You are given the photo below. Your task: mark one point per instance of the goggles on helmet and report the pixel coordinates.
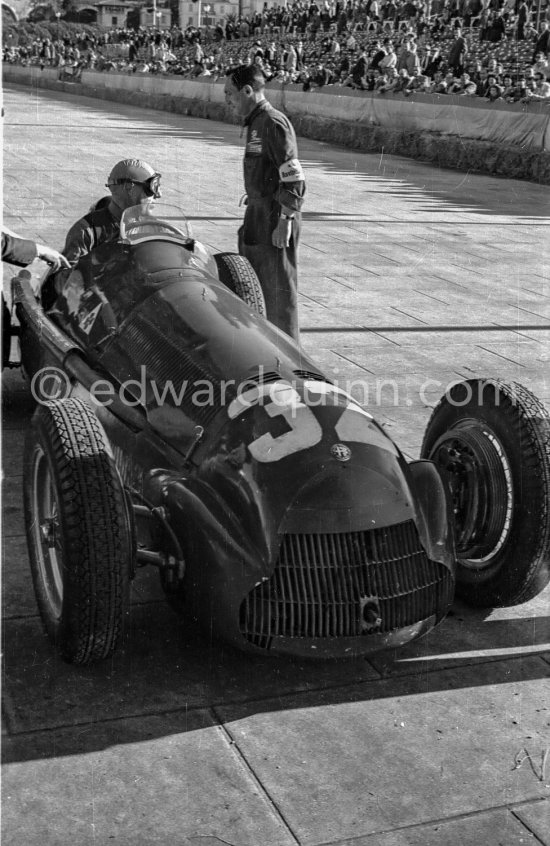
(151, 186)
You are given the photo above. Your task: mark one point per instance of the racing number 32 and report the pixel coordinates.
(354, 424)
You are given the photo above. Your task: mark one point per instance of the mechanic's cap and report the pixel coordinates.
(135, 170)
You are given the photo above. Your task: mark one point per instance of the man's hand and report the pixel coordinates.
(281, 234)
(53, 257)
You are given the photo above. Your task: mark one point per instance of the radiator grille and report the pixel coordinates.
(321, 583)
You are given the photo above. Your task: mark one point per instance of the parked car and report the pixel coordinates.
(177, 428)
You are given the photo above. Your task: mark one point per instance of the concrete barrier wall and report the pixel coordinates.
(507, 139)
(517, 124)
(211, 92)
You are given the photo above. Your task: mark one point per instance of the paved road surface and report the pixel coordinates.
(411, 277)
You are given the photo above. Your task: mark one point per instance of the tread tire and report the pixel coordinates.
(69, 472)
(519, 566)
(239, 276)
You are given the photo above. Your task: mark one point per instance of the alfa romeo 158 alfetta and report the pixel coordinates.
(177, 428)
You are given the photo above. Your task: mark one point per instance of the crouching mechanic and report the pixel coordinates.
(275, 187)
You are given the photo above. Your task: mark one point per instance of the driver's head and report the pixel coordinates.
(132, 182)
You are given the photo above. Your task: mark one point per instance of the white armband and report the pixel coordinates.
(291, 171)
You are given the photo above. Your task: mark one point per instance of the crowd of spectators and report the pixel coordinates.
(495, 49)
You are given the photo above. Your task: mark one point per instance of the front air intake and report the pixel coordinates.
(346, 585)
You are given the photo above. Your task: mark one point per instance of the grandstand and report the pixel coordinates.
(325, 44)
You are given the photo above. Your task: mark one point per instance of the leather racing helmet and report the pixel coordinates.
(137, 171)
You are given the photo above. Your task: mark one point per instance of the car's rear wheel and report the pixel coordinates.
(239, 276)
(78, 530)
(491, 443)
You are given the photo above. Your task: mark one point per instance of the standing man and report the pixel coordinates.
(542, 44)
(457, 54)
(275, 186)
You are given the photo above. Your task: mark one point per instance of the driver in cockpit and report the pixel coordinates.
(131, 182)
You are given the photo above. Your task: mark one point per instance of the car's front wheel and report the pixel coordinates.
(78, 530)
(491, 443)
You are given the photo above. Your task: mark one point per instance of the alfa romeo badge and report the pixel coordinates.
(340, 452)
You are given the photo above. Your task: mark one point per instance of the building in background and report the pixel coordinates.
(157, 15)
(110, 14)
(17, 10)
(213, 11)
(121, 13)
(127, 13)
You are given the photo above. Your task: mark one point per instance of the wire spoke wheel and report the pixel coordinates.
(473, 463)
(491, 444)
(45, 527)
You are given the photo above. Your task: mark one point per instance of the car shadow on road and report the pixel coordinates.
(168, 673)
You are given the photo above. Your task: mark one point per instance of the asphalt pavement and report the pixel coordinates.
(411, 278)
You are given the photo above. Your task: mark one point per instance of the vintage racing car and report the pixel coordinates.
(176, 427)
